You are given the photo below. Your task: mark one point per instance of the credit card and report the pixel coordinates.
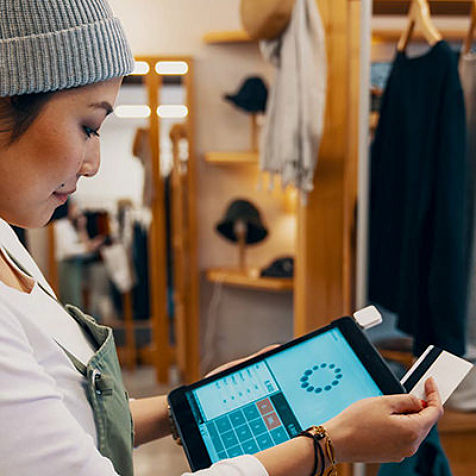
(447, 369)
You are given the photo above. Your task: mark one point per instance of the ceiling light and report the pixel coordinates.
(171, 67)
(141, 67)
(129, 111)
(170, 111)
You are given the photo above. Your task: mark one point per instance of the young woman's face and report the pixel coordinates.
(41, 168)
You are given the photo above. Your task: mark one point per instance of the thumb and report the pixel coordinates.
(404, 403)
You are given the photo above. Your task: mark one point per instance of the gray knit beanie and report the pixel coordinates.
(47, 45)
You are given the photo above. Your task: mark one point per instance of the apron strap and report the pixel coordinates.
(78, 365)
(99, 379)
(103, 384)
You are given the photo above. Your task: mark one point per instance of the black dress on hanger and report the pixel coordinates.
(419, 238)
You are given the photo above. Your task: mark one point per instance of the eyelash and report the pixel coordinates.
(90, 132)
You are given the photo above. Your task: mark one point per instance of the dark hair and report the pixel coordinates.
(19, 112)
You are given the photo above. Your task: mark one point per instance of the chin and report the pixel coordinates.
(38, 221)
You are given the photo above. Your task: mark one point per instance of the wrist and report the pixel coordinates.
(173, 427)
(337, 435)
(324, 452)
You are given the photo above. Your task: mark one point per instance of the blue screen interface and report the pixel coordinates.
(271, 401)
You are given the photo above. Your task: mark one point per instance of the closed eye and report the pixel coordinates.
(90, 132)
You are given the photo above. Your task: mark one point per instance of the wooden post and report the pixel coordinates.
(254, 133)
(325, 251)
(177, 133)
(157, 249)
(193, 318)
(241, 252)
(325, 245)
(130, 337)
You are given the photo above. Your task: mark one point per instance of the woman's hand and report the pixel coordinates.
(239, 361)
(384, 429)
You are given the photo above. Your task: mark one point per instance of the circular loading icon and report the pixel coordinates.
(329, 374)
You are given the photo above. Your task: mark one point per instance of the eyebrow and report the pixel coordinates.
(103, 105)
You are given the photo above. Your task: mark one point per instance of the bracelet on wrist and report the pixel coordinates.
(320, 437)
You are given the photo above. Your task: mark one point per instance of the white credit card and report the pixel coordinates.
(447, 369)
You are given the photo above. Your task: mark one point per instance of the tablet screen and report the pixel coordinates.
(271, 401)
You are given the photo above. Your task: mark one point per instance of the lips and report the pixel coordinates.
(63, 196)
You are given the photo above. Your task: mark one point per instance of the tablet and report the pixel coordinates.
(272, 397)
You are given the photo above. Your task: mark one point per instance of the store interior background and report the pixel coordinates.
(248, 319)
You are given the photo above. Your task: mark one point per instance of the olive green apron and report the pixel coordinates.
(105, 390)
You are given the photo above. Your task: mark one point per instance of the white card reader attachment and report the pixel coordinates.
(368, 317)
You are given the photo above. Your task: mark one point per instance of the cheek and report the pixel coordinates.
(60, 154)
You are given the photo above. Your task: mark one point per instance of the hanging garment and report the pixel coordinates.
(141, 150)
(418, 236)
(464, 398)
(295, 112)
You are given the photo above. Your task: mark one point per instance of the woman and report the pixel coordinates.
(63, 408)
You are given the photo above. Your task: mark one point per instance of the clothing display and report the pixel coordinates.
(67, 241)
(141, 150)
(418, 237)
(140, 256)
(464, 398)
(295, 112)
(72, 257)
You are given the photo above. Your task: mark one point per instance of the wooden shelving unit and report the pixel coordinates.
(232, 158)
(392, 36)
(236, 36)
(437, 7)
(243, 279)
(378, 35)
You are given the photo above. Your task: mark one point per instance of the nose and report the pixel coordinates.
(91, 162)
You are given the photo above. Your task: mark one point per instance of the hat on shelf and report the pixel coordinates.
(49, 45)
(246, 212)
(251, 96)
(282, 267)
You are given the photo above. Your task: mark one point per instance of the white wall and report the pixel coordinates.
(169, 27)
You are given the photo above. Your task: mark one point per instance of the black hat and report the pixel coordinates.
(280, 268)
(246, 212)
(251, 96)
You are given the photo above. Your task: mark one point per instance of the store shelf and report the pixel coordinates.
(250, 280)
(237, 36)
(230, 158)
(392, 36)
(437, 7)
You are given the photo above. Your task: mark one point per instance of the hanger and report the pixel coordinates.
(419, 16)
(472, 27)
